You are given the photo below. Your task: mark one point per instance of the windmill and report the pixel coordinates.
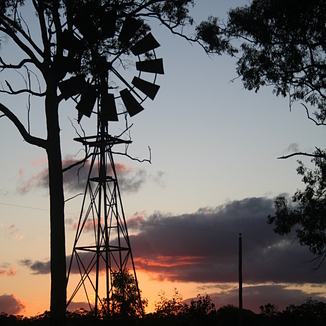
(101, 250)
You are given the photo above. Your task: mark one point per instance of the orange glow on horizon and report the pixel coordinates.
(166, 261)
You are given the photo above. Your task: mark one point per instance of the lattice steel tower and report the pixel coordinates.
(101, 251)
(102, 215)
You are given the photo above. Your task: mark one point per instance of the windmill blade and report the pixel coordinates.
(129, 29)
(154, 66)
(131, 104)
(146, 87)
(87, 102)
(72, 86)
(145, 44)
(108, 108)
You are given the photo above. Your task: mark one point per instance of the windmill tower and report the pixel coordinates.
(101, 264)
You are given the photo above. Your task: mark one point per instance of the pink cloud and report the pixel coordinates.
(88, 226)
(73, 178)
(8, 272)
(11, 271)
(40, 162)
(135, 221)
(122, 168)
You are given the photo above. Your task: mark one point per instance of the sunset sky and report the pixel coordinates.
(214, 174)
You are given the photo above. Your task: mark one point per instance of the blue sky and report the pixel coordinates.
(214, 173)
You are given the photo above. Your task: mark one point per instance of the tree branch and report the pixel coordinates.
(9, 31)
(77, 163)
(26, 136)
(300, 154)
(308, 116)
(3, 65)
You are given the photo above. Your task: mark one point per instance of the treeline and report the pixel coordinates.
(199, 312)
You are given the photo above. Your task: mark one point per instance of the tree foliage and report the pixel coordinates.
(282, 44)
(284, 47)
(74, 38)
(308, 210)
(126, 301)
(169, 307)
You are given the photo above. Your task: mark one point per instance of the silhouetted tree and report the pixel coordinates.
(307, 217)
(269, 310)
(126, 301)
(310, 313)
(283, 44)
(201, 311)
(169, 307)
(44, 63)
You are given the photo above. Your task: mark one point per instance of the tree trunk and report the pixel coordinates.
(57, 223)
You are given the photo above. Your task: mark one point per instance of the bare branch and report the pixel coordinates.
(27, 137)
(11, 66)
(149, 160)
(9, 31)
(87, 156)
(300, 154)
(307, 111)
(21, 91)
(73, 197)
(319, 261)
(83, 161)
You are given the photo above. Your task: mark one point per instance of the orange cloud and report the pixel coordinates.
(8, 272)
(168, 261)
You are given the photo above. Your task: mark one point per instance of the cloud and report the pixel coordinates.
(292, 148)
(74, 179)
(37, 267)
(11, 305)
(208, 241)
(203, 248)
(8, 272)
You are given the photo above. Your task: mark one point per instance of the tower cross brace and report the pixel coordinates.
(101, 258)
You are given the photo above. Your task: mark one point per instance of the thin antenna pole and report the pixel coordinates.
(240, 279)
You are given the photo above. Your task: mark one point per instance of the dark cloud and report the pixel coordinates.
(37, 267)
(203, 247)
(11, 305)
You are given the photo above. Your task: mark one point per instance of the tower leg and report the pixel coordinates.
(101, 263)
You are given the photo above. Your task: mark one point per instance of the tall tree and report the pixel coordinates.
(59, 23)
(282, 43)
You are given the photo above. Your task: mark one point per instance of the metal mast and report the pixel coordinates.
(101, 252)
(101, 249)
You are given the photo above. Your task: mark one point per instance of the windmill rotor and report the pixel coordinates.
(133, 43)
